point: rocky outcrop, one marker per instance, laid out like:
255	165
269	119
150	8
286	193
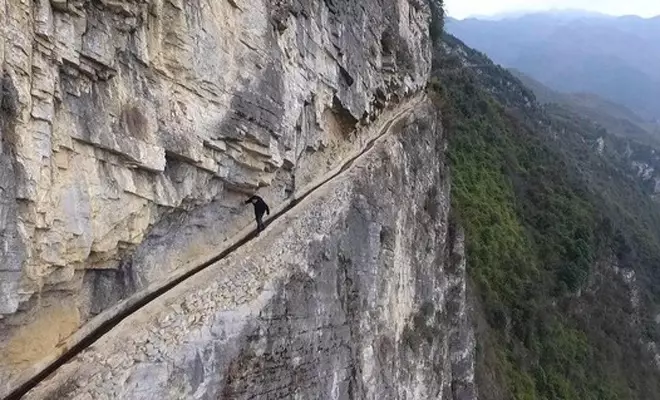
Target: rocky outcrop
356	292
132	129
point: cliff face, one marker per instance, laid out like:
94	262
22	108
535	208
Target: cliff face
120	116
131	133
356	292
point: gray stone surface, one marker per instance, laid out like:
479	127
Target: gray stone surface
132	130
358	292
12	250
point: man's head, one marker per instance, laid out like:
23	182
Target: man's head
252	200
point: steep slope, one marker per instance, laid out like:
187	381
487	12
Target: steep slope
615	118
616	58
628	140
562	241
132	131
357	292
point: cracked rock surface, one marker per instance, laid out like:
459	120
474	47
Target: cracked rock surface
132	129
358	292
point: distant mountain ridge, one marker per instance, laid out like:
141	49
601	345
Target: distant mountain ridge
563	13
617	58
617	119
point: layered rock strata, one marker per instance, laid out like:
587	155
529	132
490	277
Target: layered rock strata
132	129
357	292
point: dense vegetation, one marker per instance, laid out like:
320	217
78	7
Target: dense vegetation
555	231
617	119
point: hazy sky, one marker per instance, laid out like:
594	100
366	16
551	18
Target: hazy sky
465	8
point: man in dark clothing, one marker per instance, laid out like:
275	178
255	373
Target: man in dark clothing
260	207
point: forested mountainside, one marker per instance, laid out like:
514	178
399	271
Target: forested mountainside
616	58
563	240
619	120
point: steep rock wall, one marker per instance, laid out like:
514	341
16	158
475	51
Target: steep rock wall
357	292
132	129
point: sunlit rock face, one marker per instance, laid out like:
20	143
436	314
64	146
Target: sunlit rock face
131	133
358	292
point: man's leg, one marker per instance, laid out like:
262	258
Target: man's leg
260	223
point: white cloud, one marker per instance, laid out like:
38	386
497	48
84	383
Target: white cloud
464	8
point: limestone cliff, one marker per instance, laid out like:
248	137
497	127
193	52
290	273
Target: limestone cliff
356	292
131	132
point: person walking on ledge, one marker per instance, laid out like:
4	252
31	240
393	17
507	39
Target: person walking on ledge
260	207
